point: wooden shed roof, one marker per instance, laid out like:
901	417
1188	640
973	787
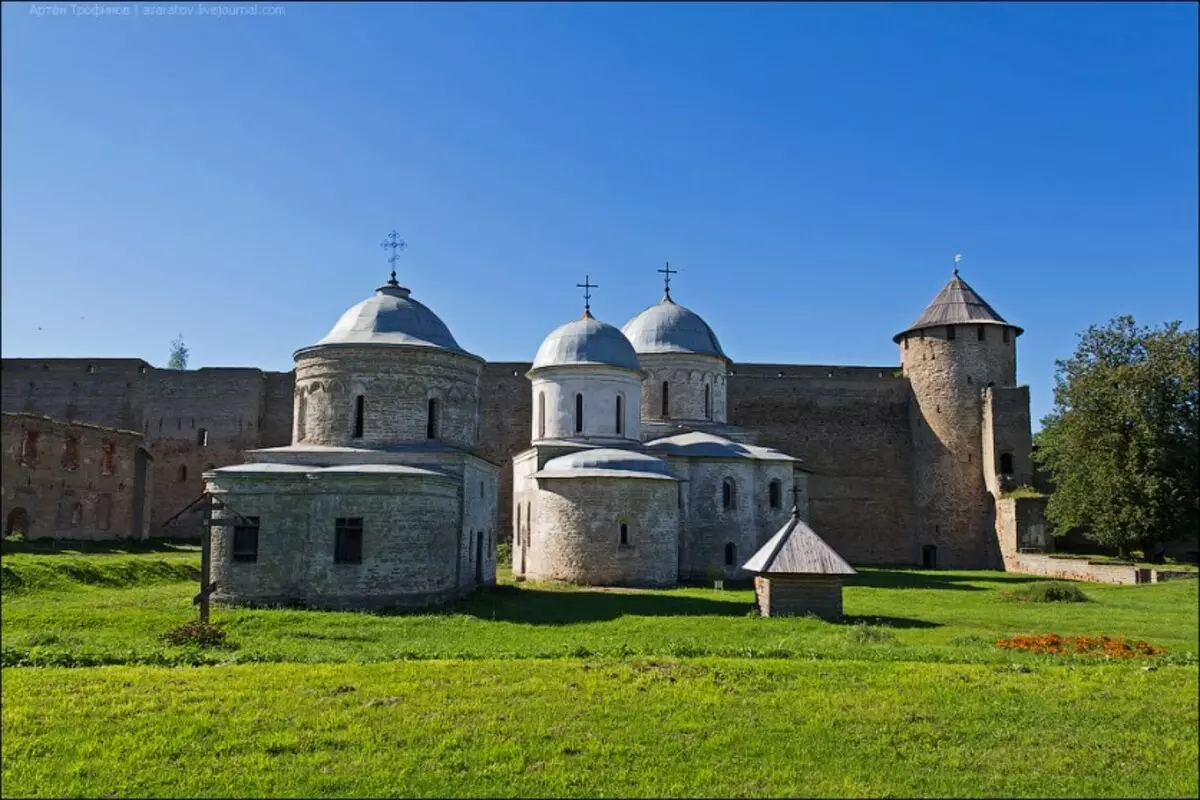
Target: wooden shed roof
797	550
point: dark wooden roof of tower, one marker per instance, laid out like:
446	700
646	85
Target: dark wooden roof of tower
957	304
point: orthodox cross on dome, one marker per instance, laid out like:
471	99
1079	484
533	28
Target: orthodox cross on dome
957	258
667	273
587	287
394	243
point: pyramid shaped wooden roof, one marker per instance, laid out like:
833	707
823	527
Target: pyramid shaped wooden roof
797	550
957	304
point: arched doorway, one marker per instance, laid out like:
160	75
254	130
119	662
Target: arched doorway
17	522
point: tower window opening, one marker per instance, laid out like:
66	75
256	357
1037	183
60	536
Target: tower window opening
1006	464
981	332
949	332
666	403
730	554
728	493
182	473
202	437
360	403
620	414
1004	335
708	401
541	426
579	413
431	420
624	535
773	494
905	342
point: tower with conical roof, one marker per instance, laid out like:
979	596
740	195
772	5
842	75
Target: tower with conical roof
969	427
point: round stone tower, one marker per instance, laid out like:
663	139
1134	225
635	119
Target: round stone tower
587	384
956	349
389	372
683	362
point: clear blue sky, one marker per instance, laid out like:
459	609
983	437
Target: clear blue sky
810	169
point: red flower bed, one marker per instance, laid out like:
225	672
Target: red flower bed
1105	646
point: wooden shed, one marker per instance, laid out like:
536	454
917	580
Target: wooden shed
796	573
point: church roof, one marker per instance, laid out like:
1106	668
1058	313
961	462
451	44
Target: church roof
606	462
391	317
797	550
697	444
956	304
586	341
667	327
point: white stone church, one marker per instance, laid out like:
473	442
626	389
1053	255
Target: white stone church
633	477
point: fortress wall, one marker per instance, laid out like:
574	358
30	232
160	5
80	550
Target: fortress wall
505	420
276	427
849	425
103	391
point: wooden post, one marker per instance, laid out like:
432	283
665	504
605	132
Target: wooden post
205	560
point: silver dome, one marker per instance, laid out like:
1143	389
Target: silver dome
586	341
391	317
667	327
606	462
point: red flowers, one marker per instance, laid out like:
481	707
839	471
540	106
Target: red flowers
1104	646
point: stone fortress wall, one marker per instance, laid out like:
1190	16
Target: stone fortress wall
848	425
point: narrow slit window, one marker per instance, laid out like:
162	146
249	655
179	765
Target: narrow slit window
1004	335
182	473
541	428
981	332
773	494
728	496
708	401
245	541
360	403
431	424
950	332
620	414
730	554
347	543
579	413
301	413
624	535
666	402
202	437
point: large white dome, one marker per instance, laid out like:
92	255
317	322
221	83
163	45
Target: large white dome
586	341
391	317
667	327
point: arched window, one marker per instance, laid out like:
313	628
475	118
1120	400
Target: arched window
708	401
431	422
773	494
730	554
1006	464
541	428
182	473
624	531
666	399
728	493
620	413
359	406
579	413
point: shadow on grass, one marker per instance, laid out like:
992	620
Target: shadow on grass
886	622
542	607
118	547
911	579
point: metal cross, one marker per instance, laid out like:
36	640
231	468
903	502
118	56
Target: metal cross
395	244
587	287
667	273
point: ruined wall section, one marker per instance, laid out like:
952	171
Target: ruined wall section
948	372
849	427
1007	438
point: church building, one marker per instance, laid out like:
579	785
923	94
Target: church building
633	477
381	499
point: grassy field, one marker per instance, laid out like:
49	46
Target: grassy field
547	690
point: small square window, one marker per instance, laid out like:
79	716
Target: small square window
245	541
347	545
1004	335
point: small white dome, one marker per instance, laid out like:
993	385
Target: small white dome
667	327
391	317
586	341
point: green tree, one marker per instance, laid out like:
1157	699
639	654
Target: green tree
1121	443
179	354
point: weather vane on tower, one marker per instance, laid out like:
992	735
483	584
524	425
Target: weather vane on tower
587	287
395	244
957	258
667	273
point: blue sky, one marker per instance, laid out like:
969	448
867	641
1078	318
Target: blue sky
810	169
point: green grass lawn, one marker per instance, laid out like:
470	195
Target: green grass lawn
538	690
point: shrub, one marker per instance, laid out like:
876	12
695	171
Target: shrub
1049	592
203	634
